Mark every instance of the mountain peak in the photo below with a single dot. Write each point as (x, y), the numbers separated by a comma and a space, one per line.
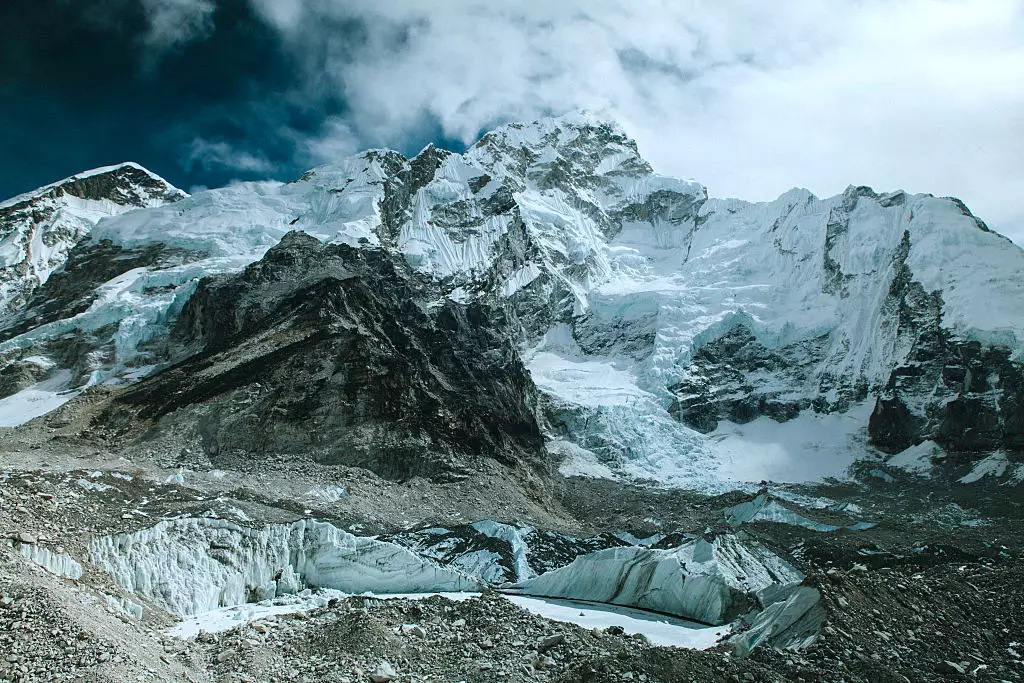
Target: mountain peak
(39, 228)
(136, 184)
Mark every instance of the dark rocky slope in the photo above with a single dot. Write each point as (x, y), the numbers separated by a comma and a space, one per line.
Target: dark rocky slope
(345, 355)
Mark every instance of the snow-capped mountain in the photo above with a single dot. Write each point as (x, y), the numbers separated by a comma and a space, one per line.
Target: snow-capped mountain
(547, 281)
(37, 229)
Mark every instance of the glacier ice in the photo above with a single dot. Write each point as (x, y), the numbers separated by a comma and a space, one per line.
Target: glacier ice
(494, 552)
(765, 508)
(514, 538)
(707, 581)
(194, 565)
(55, 561)
(792, 623)
(659, 629)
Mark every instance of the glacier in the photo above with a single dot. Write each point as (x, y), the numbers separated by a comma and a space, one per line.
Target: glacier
(215, 574)
(190, 566)
(56, 561)
(711, 582)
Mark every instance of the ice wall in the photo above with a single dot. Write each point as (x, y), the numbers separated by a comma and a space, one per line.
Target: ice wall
(708, 581)
(54, 561)
(190, 566)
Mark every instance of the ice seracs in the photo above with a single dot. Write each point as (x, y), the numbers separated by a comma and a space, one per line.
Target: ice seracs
(195, 565)
(218, 574)
(712, 582)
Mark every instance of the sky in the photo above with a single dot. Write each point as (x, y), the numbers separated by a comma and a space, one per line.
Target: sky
(749, 97)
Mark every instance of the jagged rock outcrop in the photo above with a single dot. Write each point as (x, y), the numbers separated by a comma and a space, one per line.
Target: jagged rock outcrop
(349, 357)
(737, 378)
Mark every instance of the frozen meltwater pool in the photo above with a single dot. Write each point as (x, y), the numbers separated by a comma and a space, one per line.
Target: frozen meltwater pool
(226, 618)
(659, 629)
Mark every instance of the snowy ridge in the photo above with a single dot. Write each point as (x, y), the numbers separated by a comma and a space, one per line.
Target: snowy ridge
(39, 228)
(100, 170)
(624, 284)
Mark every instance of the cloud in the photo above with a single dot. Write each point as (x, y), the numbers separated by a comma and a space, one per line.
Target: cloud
(335, 140)
(221, 155)
(750, 97)
(176, 22)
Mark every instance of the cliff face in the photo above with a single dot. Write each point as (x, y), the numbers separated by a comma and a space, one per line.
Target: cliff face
(348, 357)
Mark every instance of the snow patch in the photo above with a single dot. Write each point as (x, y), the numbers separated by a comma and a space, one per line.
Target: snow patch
(96, 486)
(226, 618)
(576, 461)
(916, 459)
(807, 448)
(37, 400)
(993, 466)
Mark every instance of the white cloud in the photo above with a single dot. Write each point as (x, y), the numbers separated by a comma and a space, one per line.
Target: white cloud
(335, 140)
(750, 97)
(221, 155)
(175, 22)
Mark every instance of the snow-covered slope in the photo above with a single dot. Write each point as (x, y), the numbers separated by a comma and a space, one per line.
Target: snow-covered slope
(672, 336)
(37, 229)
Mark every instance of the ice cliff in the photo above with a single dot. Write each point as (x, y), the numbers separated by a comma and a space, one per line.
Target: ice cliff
(712, 582)
(194, 565)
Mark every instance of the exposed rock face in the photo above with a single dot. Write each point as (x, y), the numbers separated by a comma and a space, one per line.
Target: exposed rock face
(38, 229)
(737, 378)
(348, 356)
(965, 396)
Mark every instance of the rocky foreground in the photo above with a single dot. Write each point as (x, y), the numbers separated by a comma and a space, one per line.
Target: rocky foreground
(932, 593)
